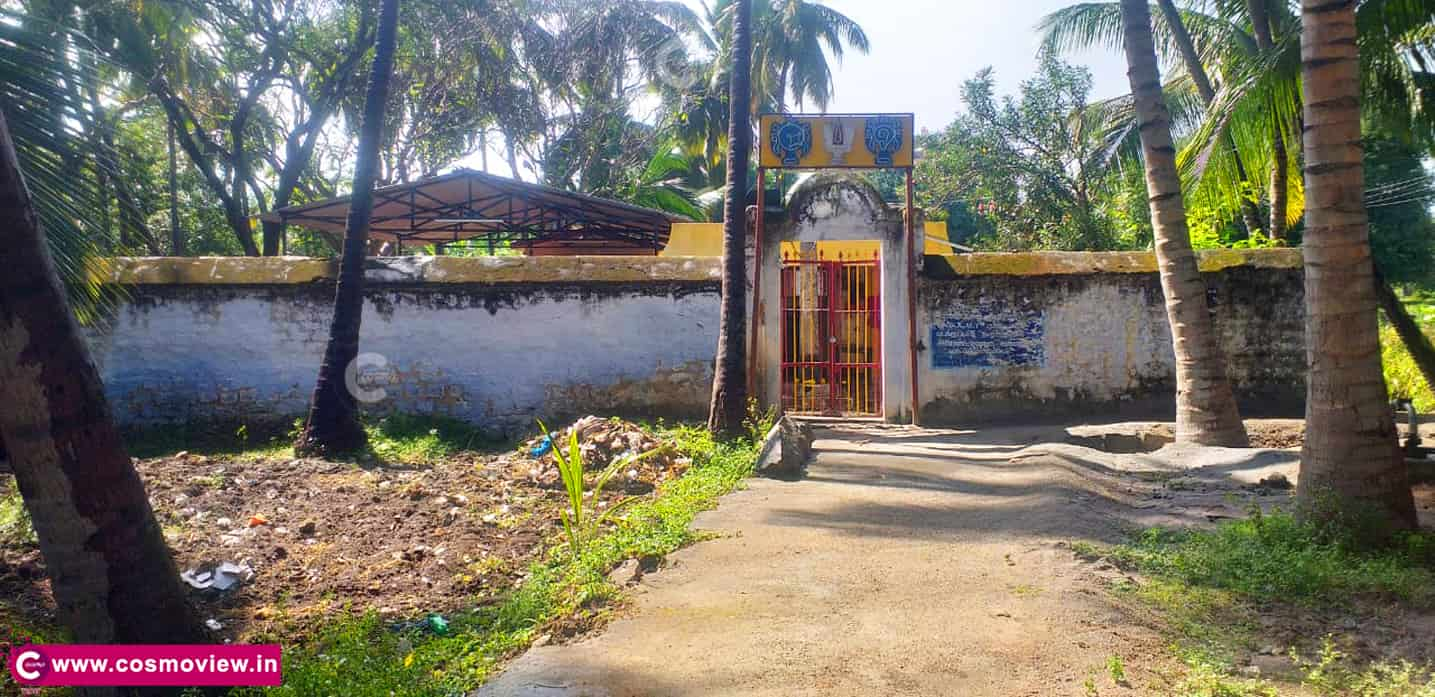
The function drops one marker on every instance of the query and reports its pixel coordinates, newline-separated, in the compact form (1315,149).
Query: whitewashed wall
(495,354)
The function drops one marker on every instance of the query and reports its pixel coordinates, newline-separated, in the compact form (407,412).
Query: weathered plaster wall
(499,342)
(1020,336)
(494,342)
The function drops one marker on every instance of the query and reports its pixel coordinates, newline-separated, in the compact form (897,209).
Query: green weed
(212,439)
(1211,680)
(759,421)
(580,522)
(1207,584)
(1089,687)
(1116,668)
(1330,674)
(398,438)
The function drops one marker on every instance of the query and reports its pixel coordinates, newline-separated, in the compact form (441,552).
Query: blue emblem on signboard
(884,138)
(791,141)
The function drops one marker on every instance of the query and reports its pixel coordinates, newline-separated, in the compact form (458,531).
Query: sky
(923,50)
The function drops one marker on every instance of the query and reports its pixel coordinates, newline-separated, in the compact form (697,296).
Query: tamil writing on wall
(986,336)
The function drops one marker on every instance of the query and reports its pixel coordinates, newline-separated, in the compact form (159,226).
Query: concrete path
(907,562)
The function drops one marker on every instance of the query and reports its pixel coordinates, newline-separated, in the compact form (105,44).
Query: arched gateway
(833,273)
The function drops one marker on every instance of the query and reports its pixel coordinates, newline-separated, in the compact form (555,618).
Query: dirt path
(907,562)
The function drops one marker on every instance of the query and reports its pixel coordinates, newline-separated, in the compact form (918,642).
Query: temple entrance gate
(834,269)
(831,336)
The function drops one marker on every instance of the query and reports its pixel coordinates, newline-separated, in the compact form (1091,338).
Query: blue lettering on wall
(988,337)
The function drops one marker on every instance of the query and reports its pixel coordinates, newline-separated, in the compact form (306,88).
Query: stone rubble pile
(651,461)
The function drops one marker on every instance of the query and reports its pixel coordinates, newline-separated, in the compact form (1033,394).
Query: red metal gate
(831,337)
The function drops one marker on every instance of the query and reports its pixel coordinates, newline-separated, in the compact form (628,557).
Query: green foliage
(1329,674)
(1276,557)
(15,527)
(1031,171)
(49,78)
(1402,376)
(210,438)
(359,657)
(1402,231)
(758,421)
(1206,584)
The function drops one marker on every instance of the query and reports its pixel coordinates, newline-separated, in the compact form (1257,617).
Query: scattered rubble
(301,536)
(603,442)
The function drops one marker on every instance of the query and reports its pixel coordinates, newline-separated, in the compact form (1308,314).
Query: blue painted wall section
(987,336)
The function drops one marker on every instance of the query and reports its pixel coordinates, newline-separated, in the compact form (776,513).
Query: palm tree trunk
(112,575)
(1280,158)
(176,238)
(1351,455)
(779,97)
(333,423)
(1280,186)
(729,400)
(1205,403)
(1250,213)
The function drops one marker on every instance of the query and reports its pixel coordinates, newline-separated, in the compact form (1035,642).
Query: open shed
(471,206)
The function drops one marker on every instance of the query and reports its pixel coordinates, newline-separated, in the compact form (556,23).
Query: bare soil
(323,537)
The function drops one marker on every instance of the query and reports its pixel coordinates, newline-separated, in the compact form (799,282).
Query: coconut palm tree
(109,567)
(1195,40)
(1249,53)
(53,128)
(1261,26)
(792,42)
(729,399)
(1205,403)
(1351,455)
(333,424)
(1197,71)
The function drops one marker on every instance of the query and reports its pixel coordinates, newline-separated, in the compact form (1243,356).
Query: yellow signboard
(858,141)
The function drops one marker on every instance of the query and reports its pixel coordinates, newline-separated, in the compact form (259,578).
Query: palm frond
(44,70)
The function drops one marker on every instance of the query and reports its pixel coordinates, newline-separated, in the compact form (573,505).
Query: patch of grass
(1212,624)
(1421,305)
(247,441)
(398,438)
(413,439)
(1207,586)
(1025,590)
(15,527)
(1275,557)
(360,657)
